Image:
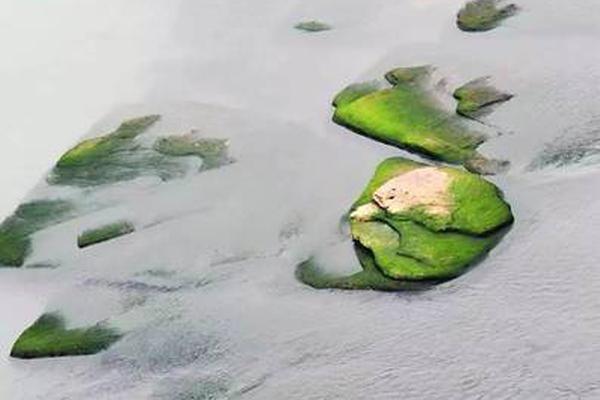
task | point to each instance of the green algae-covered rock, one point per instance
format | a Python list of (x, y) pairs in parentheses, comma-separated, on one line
[(15, 231), (484, 15), (120, 156), (104, 233), (416, 223), (114, 157), (312, 26), (312, 273), (476, 98), (48, 337), (406, 115), (213, 152)]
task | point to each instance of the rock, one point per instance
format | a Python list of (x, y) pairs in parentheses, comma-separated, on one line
[(476, 98), (355, 91), (104, 233), (484, 15), (312, 26), (485, 166), (48, 337), (313, 274), (15, 231), (407, 116), (409, 75), (417, 223)]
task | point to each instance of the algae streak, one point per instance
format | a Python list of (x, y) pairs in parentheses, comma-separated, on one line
[(48, 337), (104, 233)]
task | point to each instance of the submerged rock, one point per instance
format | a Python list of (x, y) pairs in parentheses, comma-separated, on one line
[(418, 223), (570, 150), (213, 152), (409, 75), (484, 15), (104, 233), (15, 231), (408, 116), (48, 337), (476, 98), (312, 26)]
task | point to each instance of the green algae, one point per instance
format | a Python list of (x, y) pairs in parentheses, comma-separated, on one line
[(119, 156), (354, 92), (484, 15), (93, 150), (114, 157), (398, 249), (476, 98), (48, 337), (312, 26), (477, 206), (213, 152), (311, 273), (15, 231), (407, 116), (415, 244), (104, 233)]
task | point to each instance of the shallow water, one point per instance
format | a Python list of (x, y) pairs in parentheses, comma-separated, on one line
[(205, 289)]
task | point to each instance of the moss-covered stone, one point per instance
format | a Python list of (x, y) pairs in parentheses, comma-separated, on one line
[(476, 98), (48, 337), (406, 115), (311, 273), (213, 152), (104, 233), (484, 15), (15, 231), (312, 26), (418, 223)]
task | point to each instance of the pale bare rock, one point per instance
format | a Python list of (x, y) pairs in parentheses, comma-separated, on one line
[(423, 187), (365, 212)]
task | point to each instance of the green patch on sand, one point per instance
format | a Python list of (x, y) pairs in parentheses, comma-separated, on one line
[(408, 116), (104, 233), (484, 15), (312, 26), (15, 231), (418, 223), (49, 337), (477, 98)]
